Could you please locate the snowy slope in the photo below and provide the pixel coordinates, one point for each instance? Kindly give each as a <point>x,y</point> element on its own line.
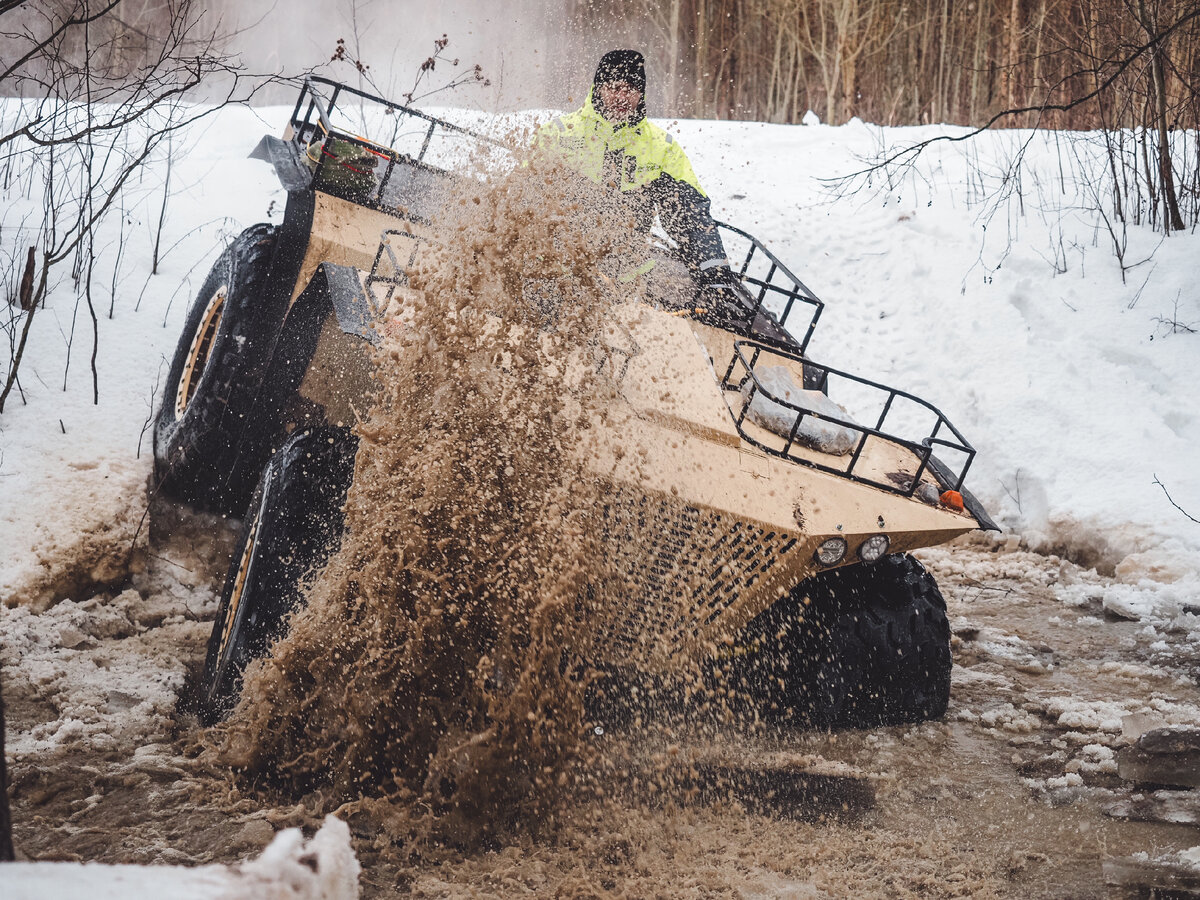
<point>1070,384</point>
<point>73,474</point>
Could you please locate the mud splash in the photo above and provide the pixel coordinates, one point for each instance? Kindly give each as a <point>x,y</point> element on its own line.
<point>436,665</point>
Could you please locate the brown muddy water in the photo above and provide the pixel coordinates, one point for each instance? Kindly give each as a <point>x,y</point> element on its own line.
<point>422,695</point>
<point>976,805</point>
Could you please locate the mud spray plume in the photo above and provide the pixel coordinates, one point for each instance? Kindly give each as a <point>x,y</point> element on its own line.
<point>436,664</point>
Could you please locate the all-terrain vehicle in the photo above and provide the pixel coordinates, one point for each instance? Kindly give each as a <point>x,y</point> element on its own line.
<point>796,516</point>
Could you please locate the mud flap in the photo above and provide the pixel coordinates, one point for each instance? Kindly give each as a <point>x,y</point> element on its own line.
<point>289,165</point>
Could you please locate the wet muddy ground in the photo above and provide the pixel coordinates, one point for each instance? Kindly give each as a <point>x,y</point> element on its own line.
<point>1005,797</point>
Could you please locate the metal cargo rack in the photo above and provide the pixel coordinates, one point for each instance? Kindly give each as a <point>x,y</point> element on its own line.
<point>769,289</point>
<point>414,137</point>
<point>882,402</point>
<point>388,272</point>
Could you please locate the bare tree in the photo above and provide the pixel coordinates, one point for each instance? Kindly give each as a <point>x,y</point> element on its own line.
<point>96,89</point>
<point>837,34</point>
<point>1109,84</point>
<point>909,61</point>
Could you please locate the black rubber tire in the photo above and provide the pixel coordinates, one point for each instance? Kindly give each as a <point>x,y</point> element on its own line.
<point>859,646</point>
<point>293,525</point>
<point>211,386</point>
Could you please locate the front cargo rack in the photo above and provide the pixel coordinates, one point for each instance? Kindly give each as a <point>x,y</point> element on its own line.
<point>904,430</point>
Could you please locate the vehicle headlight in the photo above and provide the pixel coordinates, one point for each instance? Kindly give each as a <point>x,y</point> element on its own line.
<point>831,551</point>
<point>873,547</point>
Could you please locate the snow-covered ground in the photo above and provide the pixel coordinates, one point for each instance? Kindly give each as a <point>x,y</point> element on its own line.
<point>1075,386</point>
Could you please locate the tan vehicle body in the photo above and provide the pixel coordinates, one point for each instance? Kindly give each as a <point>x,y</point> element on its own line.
<point>717,512</point>
<point>730,465</point>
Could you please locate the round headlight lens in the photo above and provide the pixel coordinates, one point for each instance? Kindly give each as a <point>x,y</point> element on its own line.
<point>831,551</point>
<point>874,547</point>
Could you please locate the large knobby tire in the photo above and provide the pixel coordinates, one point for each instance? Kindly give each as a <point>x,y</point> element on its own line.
<point>293,525</point>
<point>210,389</point>
<point>860,646</point>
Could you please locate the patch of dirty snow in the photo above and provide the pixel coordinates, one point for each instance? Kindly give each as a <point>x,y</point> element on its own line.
<point>1006,717</point>
<point>112,685</point>
<point>290,868</point>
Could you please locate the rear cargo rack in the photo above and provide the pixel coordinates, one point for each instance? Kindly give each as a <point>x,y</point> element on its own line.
<point>898,418</point>
<point>419,147</point>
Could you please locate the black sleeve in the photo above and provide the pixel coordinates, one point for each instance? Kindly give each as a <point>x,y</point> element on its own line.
<point>687,221</point>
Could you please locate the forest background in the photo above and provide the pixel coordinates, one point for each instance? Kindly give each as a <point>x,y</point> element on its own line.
<point>890,62</point>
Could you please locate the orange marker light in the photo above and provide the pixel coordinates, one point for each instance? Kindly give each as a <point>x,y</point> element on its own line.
<point>952,499</point>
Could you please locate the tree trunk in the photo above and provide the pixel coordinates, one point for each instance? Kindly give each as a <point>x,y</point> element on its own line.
<point>671,100</point>
<point>6,844</point>
<point>1014,39</point>
<point>1172,220</point>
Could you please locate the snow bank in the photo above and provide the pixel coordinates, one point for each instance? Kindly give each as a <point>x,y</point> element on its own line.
<point>113,689</point>
<point>73,472</point>
<point>290,868</point>
<point>90,534</point>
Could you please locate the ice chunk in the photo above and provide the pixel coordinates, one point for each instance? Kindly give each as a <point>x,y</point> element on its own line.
<point>828,437</point>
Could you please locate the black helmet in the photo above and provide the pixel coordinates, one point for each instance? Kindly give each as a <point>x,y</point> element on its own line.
<point>622,65</point>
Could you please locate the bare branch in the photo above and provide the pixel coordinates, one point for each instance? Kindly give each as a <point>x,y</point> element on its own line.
<point>55,35</point>
<point>1173,503</point>
<point>97,114</point>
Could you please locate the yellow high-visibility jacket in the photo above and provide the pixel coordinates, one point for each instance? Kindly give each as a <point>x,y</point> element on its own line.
<point>649,169</point>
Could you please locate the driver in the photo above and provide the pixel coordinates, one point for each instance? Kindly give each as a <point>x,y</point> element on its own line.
<point>610,142</point>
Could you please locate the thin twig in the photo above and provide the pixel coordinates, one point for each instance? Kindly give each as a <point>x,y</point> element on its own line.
<point>1173,503</point>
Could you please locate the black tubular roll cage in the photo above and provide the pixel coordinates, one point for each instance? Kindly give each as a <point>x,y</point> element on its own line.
<point>389,271</point>
<point>777,284</point>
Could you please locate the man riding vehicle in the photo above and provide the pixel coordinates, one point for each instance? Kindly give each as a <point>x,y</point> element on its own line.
<point>610,142</point>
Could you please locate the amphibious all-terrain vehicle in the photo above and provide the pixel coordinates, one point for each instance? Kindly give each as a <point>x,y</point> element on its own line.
<point>792,517</point>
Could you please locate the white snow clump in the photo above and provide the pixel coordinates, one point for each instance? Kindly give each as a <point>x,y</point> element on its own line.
<point>822,435</point>
<point>290,868</point>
